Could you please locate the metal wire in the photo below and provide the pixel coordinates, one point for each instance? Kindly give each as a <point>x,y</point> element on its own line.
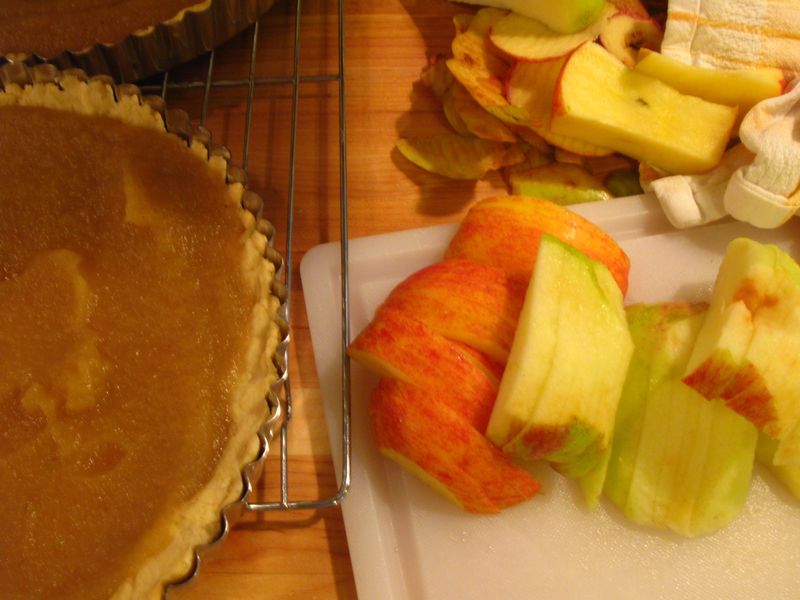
<point>208,85</point>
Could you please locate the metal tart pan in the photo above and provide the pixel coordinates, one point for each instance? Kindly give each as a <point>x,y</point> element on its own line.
<point>160,47</point>
<point>178,123</point>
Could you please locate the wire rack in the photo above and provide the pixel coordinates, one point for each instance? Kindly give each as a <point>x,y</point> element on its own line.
<point>208,86</point>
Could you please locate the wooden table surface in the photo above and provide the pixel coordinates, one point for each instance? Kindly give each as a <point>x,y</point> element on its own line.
<point>304,554</point>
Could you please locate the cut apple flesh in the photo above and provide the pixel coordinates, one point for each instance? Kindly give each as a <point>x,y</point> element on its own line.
<point>465,301</point>
<point>530,88</point>
<point>787,475</point>
<point>560,389</point>
<point>504,232</point>
<point>602,102</point>
<point>748,351</point>
<point>437,445</point>
<point>735,87</point>
<point>677,460</point>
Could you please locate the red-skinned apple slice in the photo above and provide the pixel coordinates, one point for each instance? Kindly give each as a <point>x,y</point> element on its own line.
<point>505,232</point>
<point>463,300</point>
<point>437,445</point>
<point>399,346</point>
<point>624,34</point>
<point>528,39</point>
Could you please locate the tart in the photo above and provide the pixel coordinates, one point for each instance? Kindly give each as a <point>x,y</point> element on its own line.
<point>127,39</point>
<point>139,321</point>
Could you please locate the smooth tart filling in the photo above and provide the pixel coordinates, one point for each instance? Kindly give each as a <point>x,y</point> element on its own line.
<point>26,26</point>
<point>136,333</point>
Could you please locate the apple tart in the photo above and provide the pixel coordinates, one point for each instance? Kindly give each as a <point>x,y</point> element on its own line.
<point>139,321</point>
<point>127,39</point>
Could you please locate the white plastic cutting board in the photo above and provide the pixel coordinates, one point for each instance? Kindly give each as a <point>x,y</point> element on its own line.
<point>407,543</point>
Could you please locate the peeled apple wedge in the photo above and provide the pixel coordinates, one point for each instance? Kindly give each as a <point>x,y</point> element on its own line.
<point>567,365</point>
<point>567,16</point>
<point>735,87</point>
<point>600,101</point>
<point>748,351</point>
<point>677,460</point>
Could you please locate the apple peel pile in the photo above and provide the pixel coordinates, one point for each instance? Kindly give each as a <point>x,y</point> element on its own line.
<point>595,104</point>
<point>517,347</point>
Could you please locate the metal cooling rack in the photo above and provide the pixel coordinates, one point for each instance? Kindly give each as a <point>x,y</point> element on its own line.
<point>250,84</point>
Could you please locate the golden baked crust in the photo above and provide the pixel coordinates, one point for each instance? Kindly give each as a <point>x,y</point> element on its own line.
<point>181,528</point>
<point>127,39</point>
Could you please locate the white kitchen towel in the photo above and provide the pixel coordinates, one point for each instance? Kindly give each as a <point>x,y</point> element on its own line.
<point>766,193</point>
<point>691,200</point>
<point>734,34</point>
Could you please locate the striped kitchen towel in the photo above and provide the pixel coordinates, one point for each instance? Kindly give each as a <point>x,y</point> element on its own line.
<point>735,34</point>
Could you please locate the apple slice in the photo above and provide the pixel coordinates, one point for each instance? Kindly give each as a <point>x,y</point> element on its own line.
<point>457,156</point>
<point>530,87</point>
<point>624,34</point>
<point>466,301</point>
<point>787,475</point>
<point>527,39</point>
<point>441,448</point>
<point>504,232</point>
<point>561,17</point>
<point>735,87</point>
<point>398,346</point>
<point>747,352</point>
<point>559,182</point>
<point>601,101</point>
<point>487,90</point>
<point>462,110</point>
<point>472,45</point>
<point>677,461</point>
<point>436,76</point>
<point>567,366</point>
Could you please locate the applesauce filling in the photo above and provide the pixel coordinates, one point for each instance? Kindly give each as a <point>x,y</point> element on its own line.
<point>27,26</point>
<point>119,291</point>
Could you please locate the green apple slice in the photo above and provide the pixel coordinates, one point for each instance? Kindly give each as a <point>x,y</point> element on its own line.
<point>559,182</point>
<point>677,461</point>
<point>567,365</point>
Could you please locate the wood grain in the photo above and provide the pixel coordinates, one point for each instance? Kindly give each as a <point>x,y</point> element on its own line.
<point>304,555</point>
